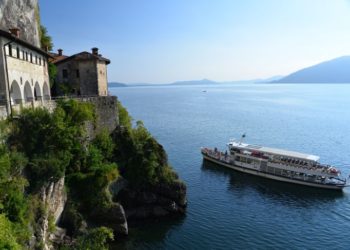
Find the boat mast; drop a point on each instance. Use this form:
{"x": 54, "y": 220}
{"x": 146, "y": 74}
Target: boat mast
{"x": 241, "y": 140}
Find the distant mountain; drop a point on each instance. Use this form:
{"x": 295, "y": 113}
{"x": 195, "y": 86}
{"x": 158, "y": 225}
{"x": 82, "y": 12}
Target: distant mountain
{"x": 116, "y": 84}
{"x": 270, "y": 79}
{"x": 195, "y": 82}
{"x": 333, "y": 71}
{"x": 192, "y": 82}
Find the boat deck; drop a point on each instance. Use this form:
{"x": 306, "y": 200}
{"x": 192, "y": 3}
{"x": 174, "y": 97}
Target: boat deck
{"x": 227, "y": 160}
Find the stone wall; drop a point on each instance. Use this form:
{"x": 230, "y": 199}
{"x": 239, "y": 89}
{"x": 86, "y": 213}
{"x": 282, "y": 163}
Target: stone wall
{"x": 83, "y": 74}
{"x": 23, "y": 15}
{"x": 81, "y": 77}
{"x": 107, "y": 114}
{"x": 3, "y": 112}
{"x": 102, "y": 78}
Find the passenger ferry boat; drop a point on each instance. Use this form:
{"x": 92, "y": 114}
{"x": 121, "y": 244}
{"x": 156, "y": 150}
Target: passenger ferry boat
{"x": 277, "y": 164}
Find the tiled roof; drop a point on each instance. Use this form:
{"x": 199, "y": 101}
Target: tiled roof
{"x": 56, "y": 57}
{"x": 79, "y": 56}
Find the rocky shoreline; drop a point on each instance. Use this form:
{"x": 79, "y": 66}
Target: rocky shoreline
{"x": 160, "y": 201}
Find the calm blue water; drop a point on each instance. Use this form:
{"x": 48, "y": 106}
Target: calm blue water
{"x": 229, "y": 210}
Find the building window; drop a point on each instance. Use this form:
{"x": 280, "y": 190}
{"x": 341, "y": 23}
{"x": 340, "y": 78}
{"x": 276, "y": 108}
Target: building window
{"x": 39, "y": 60}
{"x": 26, "y": 56}
{"x": 31, "y": 57}
{"x": 10, "y": 50}
{"x": 36, "y": 59}
{"x": 77, "y": 73}
{"x": 65, "y": 73}
{"x": 17, "y": 50}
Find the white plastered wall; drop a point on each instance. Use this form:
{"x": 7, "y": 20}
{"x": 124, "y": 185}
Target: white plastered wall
{"x": 28, "y": 75}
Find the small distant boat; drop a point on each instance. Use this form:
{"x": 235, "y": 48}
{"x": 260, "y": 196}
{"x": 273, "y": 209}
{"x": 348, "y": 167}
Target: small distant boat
{"x": 204, "y": 91}
{"x": 277, "y": 164}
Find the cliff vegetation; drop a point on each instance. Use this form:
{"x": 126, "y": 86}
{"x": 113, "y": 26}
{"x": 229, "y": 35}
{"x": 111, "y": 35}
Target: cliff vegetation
{"x": 38, "y": 148}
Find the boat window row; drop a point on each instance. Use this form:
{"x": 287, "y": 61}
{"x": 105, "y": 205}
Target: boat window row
{"x": 247, "y": 160}
{"x": 293, "y": 161}
{"x": 291, "y": 174}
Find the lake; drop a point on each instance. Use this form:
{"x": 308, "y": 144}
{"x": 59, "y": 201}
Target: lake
{"x": 231, "y": 210}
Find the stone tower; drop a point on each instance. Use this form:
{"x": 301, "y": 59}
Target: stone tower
{"x": 22, "y": 15}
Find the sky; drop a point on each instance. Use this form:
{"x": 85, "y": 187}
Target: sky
{"x": 162, "y": 41}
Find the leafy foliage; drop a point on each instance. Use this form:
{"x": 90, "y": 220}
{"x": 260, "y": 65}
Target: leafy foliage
{"x": 95, "y": 239}
{"x": 45, "y": 39}
{"x": 124, "y": 117}
{"x": 52, "y": 73}
{"x": 142, "y": 159}
{"x": 50, "y": 141}
{"x": 13, "y": 202}
{"x": 103, "y": 142}
{"x": 47, "y": 146}
{"x": 7, "y": 234}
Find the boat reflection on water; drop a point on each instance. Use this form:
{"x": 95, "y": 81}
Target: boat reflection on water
{"x": 279, "y": 191}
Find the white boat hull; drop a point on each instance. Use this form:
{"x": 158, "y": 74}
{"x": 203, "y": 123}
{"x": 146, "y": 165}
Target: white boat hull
{"x": 273, "y": 177}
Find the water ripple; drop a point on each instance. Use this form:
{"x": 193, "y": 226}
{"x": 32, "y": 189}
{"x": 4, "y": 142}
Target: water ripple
{"x": 230, "y": 210}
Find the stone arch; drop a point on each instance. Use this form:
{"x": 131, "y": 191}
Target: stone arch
{"x": 15, "y": 93}
{"x": 37, "y": 92}
{"x": 28, "y": 93}
{"x": 46, "y": 91}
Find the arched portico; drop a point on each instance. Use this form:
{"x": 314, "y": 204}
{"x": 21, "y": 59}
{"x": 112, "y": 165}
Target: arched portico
{"x": 28, "y": 94}
{"x": 38, "y": 96}
{"x": 15, "y": 93}
{"x": 46, "y": 91}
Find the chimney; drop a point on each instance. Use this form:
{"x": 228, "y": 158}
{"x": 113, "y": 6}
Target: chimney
{"x": 14, "y": 32}
{"x": 95, "y": 51}
{"x": 60, "y": 52}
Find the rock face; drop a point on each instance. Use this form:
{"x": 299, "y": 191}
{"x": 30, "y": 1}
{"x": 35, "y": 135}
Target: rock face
{"x": 113, "y": 217}
{"x": 54, "y": 198}
{"x": 160, "y": 201}
{"x": 22, "y": 15}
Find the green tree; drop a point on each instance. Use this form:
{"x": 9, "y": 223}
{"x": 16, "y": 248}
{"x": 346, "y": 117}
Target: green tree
{"x": 52, "y": 73}
{"x": 52, "y": 142}
{"x": 125, "y": 119}
{"x": 7, "y": 235}
{"x": 96, "y": 238}
{"x": 45, "y": 40}
{"x": 103, "y": 142}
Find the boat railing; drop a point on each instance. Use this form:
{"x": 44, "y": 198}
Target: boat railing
{"x": 327, "y": 169}
{"x": 216, "y": 154}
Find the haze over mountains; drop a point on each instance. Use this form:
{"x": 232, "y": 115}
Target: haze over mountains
{"x": 193, "y": 82}
{"x": 333, "y": 71}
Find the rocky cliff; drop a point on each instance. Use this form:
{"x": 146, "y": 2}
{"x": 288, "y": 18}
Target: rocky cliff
{"x": 22, "y": 15}
{"x": 54, "y": 197}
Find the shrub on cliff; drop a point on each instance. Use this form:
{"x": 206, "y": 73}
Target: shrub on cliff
{"x": 125, "y": 119}
{"x": 96, "y": 238}
{"x": 52, "y": 142}
{"x": 13, "y": 201}
{"x": 142, "y": 159}
{"x": 94, "y": 187}
{"x": 7, "y": 234}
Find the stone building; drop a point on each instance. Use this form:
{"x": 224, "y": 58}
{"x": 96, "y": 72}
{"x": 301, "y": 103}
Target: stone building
{"x": 82, "y": 74}
{"x": 24, "y": 78}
